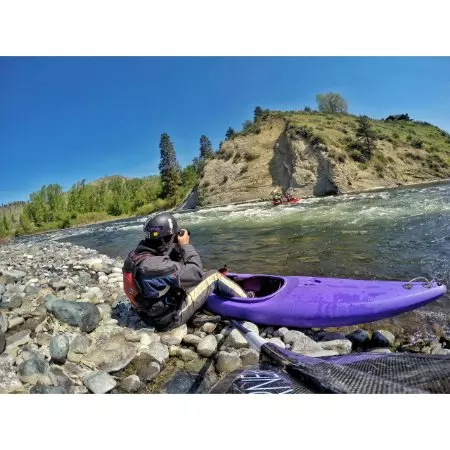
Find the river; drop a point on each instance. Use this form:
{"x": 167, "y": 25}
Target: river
{"x": 395, "y": 234}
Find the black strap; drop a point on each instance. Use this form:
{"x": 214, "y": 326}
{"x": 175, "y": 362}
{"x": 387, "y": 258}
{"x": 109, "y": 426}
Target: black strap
{"x": 171, "y": 245}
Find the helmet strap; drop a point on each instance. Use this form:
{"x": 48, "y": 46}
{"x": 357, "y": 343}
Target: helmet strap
{"x": 170, "y": 245}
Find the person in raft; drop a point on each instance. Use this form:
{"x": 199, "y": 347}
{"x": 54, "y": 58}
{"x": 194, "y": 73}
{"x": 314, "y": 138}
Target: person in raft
{"x": 289, "y": 194}
{"x": 164, "y": 278}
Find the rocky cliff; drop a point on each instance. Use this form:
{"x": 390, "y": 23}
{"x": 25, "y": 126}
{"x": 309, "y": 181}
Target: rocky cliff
{"x": 313, "y": 154}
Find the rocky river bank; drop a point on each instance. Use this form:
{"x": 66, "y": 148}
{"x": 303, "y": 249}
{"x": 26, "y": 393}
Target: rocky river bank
{"x": 67, "y": 327}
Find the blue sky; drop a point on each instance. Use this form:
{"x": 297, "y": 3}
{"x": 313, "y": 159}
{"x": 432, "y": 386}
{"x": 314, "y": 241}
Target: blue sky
{"x": 63, "y": 119}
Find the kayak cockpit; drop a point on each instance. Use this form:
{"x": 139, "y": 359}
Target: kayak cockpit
{"x": 261, "y": 285}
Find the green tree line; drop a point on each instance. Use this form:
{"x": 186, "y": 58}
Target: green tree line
{"x": 116, "y": 196}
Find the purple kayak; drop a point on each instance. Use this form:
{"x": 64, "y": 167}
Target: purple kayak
{"x": 305, "y": 302}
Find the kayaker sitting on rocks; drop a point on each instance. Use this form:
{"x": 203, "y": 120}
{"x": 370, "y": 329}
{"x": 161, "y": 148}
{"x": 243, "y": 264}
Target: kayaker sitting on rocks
{"x": 164, "y": 278}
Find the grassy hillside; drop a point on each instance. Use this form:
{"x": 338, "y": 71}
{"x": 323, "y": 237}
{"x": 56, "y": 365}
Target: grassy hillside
{"x": 320, "y": 154}
{"x": 412, "y": 140}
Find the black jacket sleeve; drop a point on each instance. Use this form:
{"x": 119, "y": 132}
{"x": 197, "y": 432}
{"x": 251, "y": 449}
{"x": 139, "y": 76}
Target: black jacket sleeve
{"x": 191, "y": 266}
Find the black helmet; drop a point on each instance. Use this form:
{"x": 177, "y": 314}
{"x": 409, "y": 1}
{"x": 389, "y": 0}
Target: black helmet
{"x": 160, "y": 225}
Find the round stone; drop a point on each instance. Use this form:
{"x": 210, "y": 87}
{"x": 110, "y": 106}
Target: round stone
{"x": 59, "y": 347}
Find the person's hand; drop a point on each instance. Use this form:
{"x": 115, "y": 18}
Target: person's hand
{"x": 184, "y": 238}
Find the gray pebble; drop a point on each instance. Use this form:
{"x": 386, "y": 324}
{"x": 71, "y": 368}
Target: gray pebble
{"x": 99, "y": 382}
{"x": 130, "y": 384}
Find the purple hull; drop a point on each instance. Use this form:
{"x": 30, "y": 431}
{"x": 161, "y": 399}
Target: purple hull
{"x": 305, "y": 302}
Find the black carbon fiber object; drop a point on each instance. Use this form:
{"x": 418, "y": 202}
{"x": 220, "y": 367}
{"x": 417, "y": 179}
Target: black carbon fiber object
{"x": 284, "y": 372}
{"x": 356, "y": 373}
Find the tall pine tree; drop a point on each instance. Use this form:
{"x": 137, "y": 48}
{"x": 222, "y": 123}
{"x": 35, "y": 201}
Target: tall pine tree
{"x": 169, "y": 167}
{"x": 229, "y": 134}
{"x": 206, "y": 150}
{"x": 366, "y": 136}
{"x": 257, "y": 114}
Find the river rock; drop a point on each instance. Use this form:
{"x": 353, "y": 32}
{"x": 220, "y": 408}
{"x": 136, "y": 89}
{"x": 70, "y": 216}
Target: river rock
{"x": 58, "y": 285}
{"x": 300, "y": 343}
{"x": 18, "y": 339}
{"x": 16, "y": 275}
{"x": 193, "y": 366}
{"x": 174, "y": 350}
{"x": 192, "y": 339}
{"x": 268, "y": 331}
{"x": 9, "y": 380}
{"x": 280, "y": 332}
{"x": 30, "y": 352}
{"x": 15, "y": 321}
{"x": 80, "y": 344}
{"x": 251, "y": 327}
{"x": 79, "y": 314}
{"x": 158, "y": 352}
{"x": 132, "y": 336}
{"x": 200, "y": 319}
{"x": 43, "y": 339}
{"x": 92, "y": 262}
{"x": 235, "y": 340}
{"x": 146, "y": 340}
{"x": 207, "y": 346}
{"x": 48, "y": 390}
{"x": 277, "y": 341}
{"x": 380, "y": 350}
{"x": 130, "y": 384}
{"x": 382, "y": 338}
{"x": 436, "y": 348}
{"x": 3, "y": 323}
{"x": 74, "y": 357}
{"x": 99, "y": 382}
{"x": 341, "y": 346}
{"x": 227, "y": 362}
{"x": 359, "y": 339}
{"x": 105, "y": 310}
{"x": 15, "y": 302}
{"x": 186, "y": 354}
{"x": 80, "y": 389}
{"x": 201, "y": 334}
{"x": 94, "y": 293}
{"x": 33, "y": 323}
{"x": 2, "y": 289}
{"x": 31, "y": 290}
{"x": 209, "y": 327}
{"x": 249, "y": 357}
{"x": 2, "y": 342}
{"x": 84, "y": 278}
{"x": 59, "y": 347}
{"x": 110, "y": 354}
{"x": 148, "y": 370}
{"x": 33, "y": 370}
{"x": 175, "y": 336}
{"x": 57, "y": 374}
{"x": 319, "y": 353}
{"x": 323, "y": 336}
